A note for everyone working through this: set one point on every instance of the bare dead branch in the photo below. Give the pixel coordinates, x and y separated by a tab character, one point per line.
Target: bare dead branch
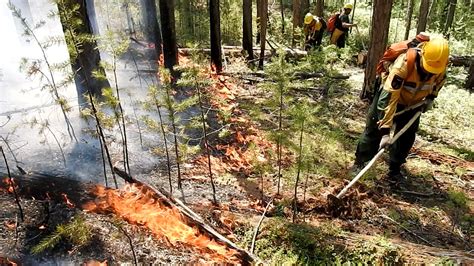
12	184
254	238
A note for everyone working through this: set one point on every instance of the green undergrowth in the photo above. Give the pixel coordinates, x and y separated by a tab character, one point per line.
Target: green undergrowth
329	142
77	232
327	147
450	122
284	243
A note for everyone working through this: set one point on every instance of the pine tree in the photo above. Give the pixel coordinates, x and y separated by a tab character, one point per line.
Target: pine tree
280	71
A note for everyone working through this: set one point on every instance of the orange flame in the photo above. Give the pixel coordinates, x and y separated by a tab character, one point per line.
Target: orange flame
68	202
161	61
10	224
11	185
213	68
7	262
11	262
140	205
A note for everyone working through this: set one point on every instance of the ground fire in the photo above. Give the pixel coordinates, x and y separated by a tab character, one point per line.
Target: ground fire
10	183
140	205
67	201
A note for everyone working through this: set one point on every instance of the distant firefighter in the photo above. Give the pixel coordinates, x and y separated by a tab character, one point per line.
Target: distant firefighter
339	25
314	28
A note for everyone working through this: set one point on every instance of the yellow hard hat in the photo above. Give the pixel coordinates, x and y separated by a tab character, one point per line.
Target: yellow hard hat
435	55
308	18
348	6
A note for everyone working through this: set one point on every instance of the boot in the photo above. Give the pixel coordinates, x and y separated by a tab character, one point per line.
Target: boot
356	167
395	175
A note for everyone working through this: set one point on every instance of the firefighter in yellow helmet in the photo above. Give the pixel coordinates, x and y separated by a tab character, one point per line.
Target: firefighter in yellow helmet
314	28
343	24
408	82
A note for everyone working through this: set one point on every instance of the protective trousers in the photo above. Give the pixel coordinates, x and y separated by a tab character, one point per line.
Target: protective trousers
370	139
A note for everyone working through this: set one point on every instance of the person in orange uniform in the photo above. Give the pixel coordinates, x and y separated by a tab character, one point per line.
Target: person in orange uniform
415	76
314	28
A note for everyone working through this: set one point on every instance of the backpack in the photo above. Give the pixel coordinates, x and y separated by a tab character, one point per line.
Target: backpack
331	25
396	49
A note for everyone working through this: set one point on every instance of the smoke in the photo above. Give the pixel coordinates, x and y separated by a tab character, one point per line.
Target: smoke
32	126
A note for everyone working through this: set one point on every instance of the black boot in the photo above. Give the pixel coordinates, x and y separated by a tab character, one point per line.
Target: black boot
356	167
395	175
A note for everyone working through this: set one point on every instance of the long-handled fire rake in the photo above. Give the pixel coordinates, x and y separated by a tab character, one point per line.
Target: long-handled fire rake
336	199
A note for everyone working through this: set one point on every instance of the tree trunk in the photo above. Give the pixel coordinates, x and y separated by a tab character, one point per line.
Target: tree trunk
282	13
150	23
297	19
168	31
92	17
470	78
247	28
188	17
216	50
128	15
259	20
432	8
263	30
353	11
423	16
378	41
408	19
87	60
450	18
319	8
304	9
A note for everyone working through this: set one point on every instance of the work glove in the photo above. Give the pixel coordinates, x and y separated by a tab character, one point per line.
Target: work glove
428	105
385	141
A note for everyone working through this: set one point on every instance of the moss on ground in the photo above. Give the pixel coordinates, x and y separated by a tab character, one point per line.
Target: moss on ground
284	243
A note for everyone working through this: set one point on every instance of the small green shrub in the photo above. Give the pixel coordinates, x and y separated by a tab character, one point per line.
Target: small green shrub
77	232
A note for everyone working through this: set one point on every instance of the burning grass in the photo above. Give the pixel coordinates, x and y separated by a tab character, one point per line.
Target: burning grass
140	205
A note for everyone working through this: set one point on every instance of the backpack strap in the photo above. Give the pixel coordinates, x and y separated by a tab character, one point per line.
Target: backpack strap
411	58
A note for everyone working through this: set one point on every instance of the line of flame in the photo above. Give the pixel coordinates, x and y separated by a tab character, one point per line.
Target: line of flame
140	205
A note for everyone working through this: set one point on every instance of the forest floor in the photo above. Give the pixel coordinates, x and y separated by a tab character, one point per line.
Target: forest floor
427	220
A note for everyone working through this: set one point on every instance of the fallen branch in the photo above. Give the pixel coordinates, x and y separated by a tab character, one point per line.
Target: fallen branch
406	229
261	76
191	216
254	238
130	242
419	194
238	51
461	60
